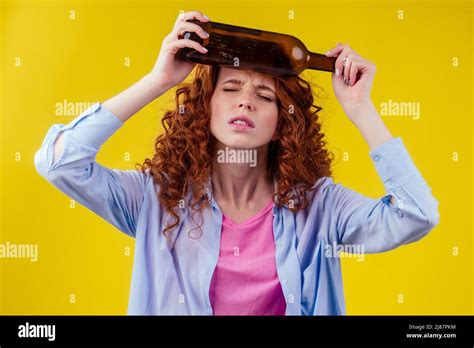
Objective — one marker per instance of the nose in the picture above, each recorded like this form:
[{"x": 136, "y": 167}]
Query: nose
[
  {"x": 245, "y": 99},
  {"x": 245, "y": 104}
]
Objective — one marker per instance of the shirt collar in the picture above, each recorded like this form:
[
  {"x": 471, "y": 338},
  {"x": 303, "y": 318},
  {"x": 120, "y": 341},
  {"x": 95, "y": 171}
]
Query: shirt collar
[{"x": 209, "y": 192}]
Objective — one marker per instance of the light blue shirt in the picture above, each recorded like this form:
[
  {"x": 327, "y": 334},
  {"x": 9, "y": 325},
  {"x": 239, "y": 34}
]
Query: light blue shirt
[{"x": 176, "y": 281}]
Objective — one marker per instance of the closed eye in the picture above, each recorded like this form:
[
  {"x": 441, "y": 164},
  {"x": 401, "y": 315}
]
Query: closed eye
[
  {"x": 266, "y": 98},
  {"x": 261, "y": 96}
]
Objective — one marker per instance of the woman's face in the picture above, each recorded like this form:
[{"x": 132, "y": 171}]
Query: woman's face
[{"x": 249, "y": 99}]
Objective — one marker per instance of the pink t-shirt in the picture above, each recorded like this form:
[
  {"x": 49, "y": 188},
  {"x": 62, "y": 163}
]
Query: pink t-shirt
[{"x": 245, "y": 281}]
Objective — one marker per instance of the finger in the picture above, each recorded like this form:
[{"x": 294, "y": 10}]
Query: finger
[
  {"x": 340, "y": 51},
  {"x": 339, "y": 64},
  {"x": 333, "y": 51},
  {"x": 353, "y": 72},
  {"x": 347, "y": 63},
  {"x": 177, "y": 44},
  {"x": 190, "y": 27},
  {"x": 364, "y": 67},
  {"x": 192, "y": 15}
]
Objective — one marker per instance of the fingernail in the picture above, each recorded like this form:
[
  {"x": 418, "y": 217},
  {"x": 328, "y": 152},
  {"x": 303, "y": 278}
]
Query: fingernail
[
  {"x": 204, "y": 49},
  {"x": 206, "y": 17},
  {"x": 327, "y": 53},
  {"x": 206, "y": 34},
  {"x": 345, "y": 80},
  {"x": 337, "y": 71}
]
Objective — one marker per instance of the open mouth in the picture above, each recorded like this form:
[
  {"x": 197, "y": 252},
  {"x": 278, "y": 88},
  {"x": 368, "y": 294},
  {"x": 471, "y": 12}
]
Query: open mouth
[{"x": 241, "y": 123}]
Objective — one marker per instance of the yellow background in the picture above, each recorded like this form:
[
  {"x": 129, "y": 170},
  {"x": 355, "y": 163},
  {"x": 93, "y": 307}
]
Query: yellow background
[{"x": 83, "y": 60}]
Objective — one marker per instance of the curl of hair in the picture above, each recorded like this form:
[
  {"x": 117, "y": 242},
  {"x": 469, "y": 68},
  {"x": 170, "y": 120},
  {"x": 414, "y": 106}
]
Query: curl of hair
[{"x": 183, "y": 160}]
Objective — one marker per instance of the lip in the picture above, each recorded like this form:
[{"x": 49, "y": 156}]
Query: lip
[
  {"x": 250, "y": 124},
  {"x": 240, "y": 127}
]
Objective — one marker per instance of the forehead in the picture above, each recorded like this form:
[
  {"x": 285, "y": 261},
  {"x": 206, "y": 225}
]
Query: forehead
[{"x": 245, "y": 76}]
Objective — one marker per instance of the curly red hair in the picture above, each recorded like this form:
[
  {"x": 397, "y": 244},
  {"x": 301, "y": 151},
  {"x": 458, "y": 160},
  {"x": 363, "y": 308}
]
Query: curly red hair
[{"x": 295, "y": 161}]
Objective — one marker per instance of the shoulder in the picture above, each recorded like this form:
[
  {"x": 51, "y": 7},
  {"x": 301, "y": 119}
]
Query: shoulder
[
  {"x": 322, "y": 186},
  {"x": 320, "y": 190},
  {"x": 324, "y": 181}
]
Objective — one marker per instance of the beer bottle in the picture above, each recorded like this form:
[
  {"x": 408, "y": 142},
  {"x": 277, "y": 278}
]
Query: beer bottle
[{"x": 245, "y": 48}]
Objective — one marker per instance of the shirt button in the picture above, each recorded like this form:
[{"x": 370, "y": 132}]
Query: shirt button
[
  {"x": 284, "y": 282},
  {"x": 389, "y": 182},
  {"x": 377, "y": 158}
]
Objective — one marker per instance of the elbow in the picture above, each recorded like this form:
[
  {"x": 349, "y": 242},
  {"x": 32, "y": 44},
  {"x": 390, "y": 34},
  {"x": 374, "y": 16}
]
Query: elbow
[
  {"x": 433, "y": 218},
  {"x": 43, "y": 166},
  {"x": 430, "y": 218},
  {"x": 432, "y": 213},
  {"x": 423, "y": 223},
  {"x": 41, "y": 163}
]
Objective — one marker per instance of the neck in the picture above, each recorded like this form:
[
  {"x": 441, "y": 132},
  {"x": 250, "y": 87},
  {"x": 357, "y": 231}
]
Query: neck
[
  {"x": 239, "y": 184},
  {"x": 319, "y": 61}
]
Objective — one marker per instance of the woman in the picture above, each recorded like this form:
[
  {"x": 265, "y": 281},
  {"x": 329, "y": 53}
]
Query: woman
[{"x": 218, "y": 237}]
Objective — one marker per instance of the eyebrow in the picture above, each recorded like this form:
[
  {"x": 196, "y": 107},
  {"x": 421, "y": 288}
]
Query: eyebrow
[{"x": 260, "y": 86}]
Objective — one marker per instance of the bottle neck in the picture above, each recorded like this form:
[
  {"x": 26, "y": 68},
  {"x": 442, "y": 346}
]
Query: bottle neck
[{"x": 321, "y": 62}]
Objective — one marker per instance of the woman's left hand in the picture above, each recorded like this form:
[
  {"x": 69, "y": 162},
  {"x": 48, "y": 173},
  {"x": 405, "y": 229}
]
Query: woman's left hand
[{"x": 352, "y": 82}]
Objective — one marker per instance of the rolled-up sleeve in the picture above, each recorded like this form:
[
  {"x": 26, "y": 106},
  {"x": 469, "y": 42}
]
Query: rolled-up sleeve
[
  {"x": 115, "y": 195},
  {"x": 377, "y": 224}
]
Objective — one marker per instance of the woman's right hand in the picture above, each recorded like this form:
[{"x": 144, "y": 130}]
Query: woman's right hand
[{"x": 169, "y": 70}]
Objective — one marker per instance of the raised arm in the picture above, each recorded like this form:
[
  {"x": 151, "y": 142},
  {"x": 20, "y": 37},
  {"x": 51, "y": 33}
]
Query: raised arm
[
  {"x": 166, "y": 73},
  {"x": 125, "y": 104},
  {"x": 408, "y": 211},
  {"x": 67, "y": 156}
]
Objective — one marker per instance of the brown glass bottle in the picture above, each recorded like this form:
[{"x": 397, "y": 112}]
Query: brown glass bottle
[{"x": 262, "y": 51}]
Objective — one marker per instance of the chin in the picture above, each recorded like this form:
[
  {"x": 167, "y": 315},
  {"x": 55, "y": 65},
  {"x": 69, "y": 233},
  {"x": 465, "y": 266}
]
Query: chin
[{"x": 232, "y": 141}]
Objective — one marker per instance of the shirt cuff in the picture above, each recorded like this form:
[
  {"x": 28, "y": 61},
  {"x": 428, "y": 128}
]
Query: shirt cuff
[{"x": 394, "y": 164}]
